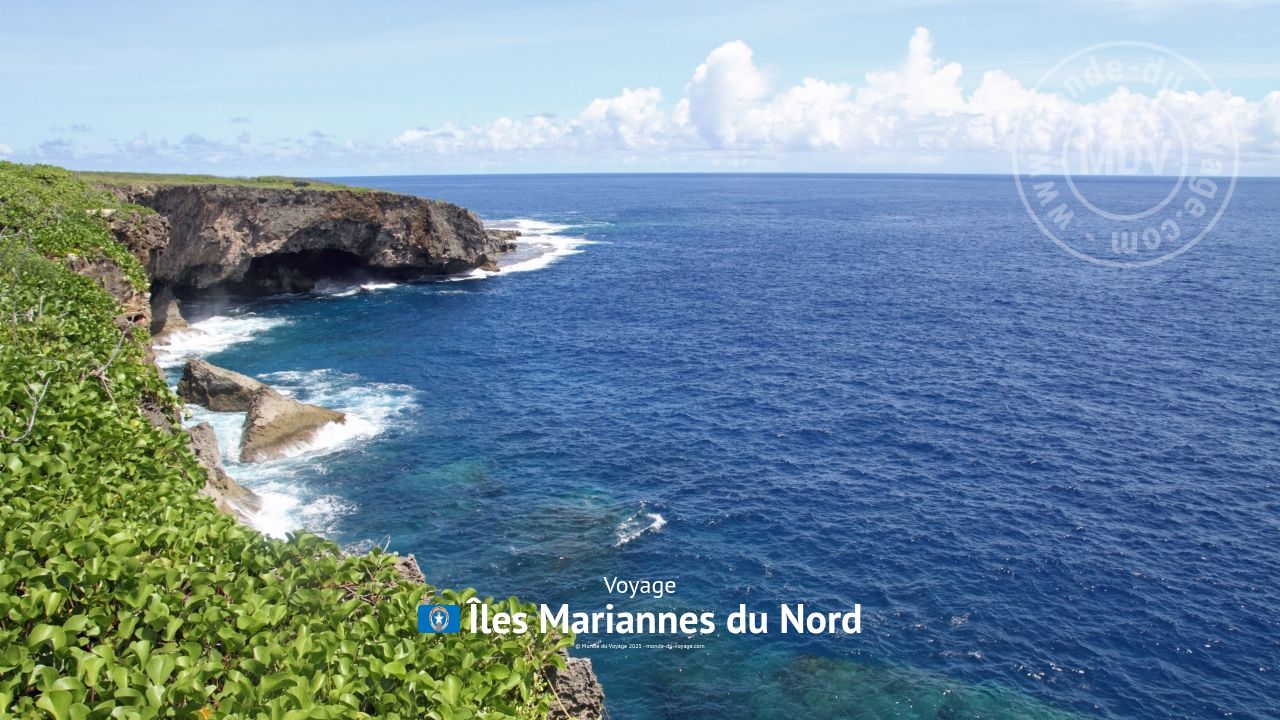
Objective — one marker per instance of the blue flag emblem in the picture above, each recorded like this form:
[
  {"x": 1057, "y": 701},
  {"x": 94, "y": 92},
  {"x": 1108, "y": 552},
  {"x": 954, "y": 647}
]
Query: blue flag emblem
[{"x": 439, "y": 618}]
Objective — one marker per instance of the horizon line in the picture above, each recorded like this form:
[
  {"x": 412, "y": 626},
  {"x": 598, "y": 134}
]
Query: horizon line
[{"x": 622, "y": 173}]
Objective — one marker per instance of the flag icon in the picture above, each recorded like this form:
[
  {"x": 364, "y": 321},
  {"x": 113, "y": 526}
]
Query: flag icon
[{"x": 439, "y": 618}]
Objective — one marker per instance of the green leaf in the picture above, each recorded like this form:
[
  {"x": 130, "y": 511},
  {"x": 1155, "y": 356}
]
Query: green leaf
[
  {"x": 57, "y": 703},
  {"x": 137, "y": 596},
  {"x": 450, "y": 689},
  {"x": 52, "y": 634},
  {"x": 159, "y": 667},
  {"x": 76, "y": 623}
]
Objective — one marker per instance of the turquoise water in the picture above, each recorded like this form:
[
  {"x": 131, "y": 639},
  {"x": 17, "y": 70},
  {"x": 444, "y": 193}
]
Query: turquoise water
[{"x": 1051, "y": 486}]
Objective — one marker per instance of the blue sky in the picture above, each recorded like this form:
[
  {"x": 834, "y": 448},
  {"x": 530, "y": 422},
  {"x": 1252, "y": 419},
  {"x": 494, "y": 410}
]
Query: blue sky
[{"x": 343, "y": 88}]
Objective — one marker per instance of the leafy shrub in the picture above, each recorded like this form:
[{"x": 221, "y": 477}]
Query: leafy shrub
[
  {"x": 124, "y": 593},
  {"x": 57, "y": 214}
]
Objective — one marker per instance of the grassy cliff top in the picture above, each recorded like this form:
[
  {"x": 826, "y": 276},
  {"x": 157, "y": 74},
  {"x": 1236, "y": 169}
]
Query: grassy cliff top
[
  {"x": 277, "y": 182},
  {"x": 124, "y": 593}
]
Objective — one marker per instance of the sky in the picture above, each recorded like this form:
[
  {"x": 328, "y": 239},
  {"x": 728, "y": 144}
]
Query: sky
[{"x": 340, "y": 88}]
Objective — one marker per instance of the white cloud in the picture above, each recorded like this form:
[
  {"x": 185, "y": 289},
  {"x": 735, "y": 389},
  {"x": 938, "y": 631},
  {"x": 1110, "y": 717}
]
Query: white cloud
[
  {"x": 812, "y": 115},
  {"x": 730, "y": 113},
  {"x": 630, "y": 120},
  {"x": 917, "y": 109},
  {"x": 919, "y": 86},
  {"x": 5, "y": 150},
  {"x": 1266, "y": 121},
  {"x": 723, "y": 91}
]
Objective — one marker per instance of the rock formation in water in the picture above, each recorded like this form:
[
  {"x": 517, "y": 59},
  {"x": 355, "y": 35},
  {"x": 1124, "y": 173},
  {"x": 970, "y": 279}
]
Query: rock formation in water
[
  {"x": 274, "y": 423},
  {"x": 167, "y": 315},
  {"x": 216, "y": 388},
  {"x": 228, "y": 495},
  {"x": 250, "y": 241}
]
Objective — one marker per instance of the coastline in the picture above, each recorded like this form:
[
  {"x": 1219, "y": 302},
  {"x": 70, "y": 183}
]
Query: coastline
[
  {"x": 90, "y": 259},
  {"x": 371, "y": 408},
  {"x": 577, "y": 689}
]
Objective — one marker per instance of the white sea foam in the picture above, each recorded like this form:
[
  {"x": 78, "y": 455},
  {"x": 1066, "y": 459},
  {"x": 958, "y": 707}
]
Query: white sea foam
[
  {"x": 226, "y": 425},
  {"x": 528, "y": 226},
  {"x": 212, "y": 335},
  {"x": 341, "y": 289},
  {"x": 540, "y": 244},
  {"x": 284, "y": 511},
  {"x": 374, "y": 403},
  {"x": 336, "y": 290},
  {"x": 637, "y": 525},
  {"x": 476, "y": 274},
  {"x": 368, "y": 408},
  {"x": 287, "y": 505},
  {"x": 330, "y": 288}
]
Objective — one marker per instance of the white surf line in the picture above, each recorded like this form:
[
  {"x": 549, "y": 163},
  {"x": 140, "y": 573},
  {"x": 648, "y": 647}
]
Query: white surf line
[
  {"x": 210, "y": 336},
  {"x": 368, "y": 408},
  {"x": 539, "y": 244}
]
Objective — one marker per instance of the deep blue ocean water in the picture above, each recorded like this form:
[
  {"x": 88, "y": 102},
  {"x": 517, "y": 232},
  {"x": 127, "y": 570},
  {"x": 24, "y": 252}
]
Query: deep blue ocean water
[{"x": 1052, "y": 486}]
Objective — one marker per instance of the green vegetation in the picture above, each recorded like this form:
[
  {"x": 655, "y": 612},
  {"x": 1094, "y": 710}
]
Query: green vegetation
[
  {"x": 266, "y": 181},
  {"x": 42, "y": 207},
  {"x": 124, "y": 593}
]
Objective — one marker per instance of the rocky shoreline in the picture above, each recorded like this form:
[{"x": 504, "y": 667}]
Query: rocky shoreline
[{"x": 244, "y": 242}]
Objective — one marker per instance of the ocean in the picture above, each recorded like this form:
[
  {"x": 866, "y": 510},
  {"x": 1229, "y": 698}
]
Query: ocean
[{"x": 1051, "y": 486}]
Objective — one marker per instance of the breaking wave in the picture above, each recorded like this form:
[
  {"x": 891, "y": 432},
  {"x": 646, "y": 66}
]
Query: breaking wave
[
  {"x": 637, "y": 525},
  {"x": 210, "y": 336},
  {"x": 539, "y": 245},
  {"x": 287, "y": 504}
]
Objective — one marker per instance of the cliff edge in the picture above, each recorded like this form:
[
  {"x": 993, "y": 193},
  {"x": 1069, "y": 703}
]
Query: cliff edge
[
  {"x": 246, "y": 241},
  {"x": 104, "y": 518}
]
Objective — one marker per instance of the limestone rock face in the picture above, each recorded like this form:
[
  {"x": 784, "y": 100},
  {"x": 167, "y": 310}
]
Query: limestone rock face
[
  {"x": 160, "y": 412},
  {"x": 166, "y": 315},
  {"x": 407, "y": 566},
  {"x": 505, "y": 240},
  {"x": 103, "y": 270},
  {"x": 216, "y": 388},
  {"x": 228, "y": 495},
  {"x": 578, "y": 692},
  {"x": 145, "y": 235},
  {"x": 249, "y": 241},
  {"x": 275, "y": 422}
]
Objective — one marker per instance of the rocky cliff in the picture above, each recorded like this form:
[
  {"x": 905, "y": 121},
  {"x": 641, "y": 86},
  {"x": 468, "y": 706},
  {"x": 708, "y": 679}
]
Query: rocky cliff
[
  {"x": 249, "y": 241},
  {"x": 143, "y": 235}
]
